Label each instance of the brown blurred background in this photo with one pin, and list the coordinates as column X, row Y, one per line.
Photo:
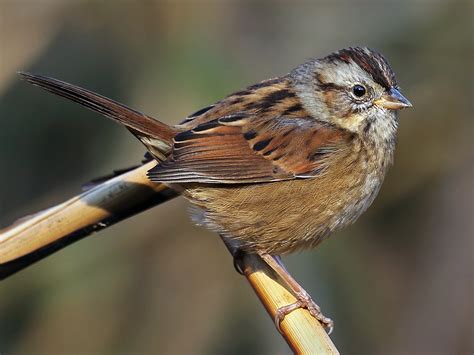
column 400, row 281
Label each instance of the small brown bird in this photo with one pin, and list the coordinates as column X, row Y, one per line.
column 282, row 164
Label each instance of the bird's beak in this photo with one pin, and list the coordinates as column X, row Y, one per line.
column 393, row 100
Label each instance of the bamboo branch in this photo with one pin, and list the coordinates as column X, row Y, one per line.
column 37, row 236
column 303, row 333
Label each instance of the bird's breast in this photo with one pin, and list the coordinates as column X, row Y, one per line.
column 282, row 216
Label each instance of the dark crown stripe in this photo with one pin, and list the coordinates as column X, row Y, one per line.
column 370, row 61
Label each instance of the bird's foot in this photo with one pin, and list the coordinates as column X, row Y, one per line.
column 304, row 300
column 238, row 257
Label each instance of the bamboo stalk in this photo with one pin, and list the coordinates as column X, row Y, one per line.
column 303, row 333
column 36, row 237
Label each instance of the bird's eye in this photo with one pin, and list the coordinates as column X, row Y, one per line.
column 358, row 90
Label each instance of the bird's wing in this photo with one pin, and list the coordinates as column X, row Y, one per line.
column 243, row 148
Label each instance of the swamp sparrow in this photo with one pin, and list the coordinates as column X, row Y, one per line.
column 282, row 164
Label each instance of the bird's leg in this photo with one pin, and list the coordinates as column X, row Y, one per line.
column 303, row 299
column 238, row 257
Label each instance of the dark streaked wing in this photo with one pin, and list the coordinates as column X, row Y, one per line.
column 248, row 149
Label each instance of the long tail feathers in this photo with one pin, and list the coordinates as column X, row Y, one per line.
column 156, row 135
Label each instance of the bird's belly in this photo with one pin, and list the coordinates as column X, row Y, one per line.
column 281, row 217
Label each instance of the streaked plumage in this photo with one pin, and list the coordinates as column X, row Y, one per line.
column 279, row 165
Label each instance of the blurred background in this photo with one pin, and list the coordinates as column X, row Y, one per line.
column 400, row 281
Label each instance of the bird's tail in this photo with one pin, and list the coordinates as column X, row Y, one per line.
column 155, row 135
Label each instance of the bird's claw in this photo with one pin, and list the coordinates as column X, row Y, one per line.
column 304, row 300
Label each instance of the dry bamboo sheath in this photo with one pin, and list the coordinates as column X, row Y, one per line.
column 39, row 235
